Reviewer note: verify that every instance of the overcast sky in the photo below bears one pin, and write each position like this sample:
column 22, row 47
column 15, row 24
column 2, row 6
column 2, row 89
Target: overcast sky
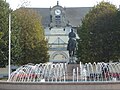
column 65, row 3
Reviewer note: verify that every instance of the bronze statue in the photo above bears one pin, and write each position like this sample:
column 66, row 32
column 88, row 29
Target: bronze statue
column 71, row 43
column 72, row 34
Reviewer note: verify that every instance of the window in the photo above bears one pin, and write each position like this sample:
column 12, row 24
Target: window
column 57, row 17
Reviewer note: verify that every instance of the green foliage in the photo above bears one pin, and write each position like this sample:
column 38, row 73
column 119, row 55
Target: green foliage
column 100, row 34
column 28, row 41
column 16, row 49
column 4, row 12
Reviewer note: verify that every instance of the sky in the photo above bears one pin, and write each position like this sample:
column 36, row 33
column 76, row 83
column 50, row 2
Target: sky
column 14, row 4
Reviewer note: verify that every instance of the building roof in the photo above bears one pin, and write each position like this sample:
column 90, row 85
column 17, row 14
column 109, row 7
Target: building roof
column 73, row 14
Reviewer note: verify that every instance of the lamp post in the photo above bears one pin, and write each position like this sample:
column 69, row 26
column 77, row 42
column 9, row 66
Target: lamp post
column 9, row 61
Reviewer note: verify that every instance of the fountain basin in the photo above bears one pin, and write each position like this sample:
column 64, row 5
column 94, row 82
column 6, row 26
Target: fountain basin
column 62, row 76
column 4, row 85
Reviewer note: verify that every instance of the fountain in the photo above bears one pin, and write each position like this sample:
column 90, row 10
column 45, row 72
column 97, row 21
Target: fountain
column 59, row 76
column 39, row 73
column 49, row 72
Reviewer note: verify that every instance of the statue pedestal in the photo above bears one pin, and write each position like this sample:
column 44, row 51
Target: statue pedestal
column 70, row 68
column 72, row 60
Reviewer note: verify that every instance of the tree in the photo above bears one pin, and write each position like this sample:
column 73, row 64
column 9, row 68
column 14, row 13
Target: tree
column 99, row 38
column 16, row 49
column 29, row 45
column 4, row 12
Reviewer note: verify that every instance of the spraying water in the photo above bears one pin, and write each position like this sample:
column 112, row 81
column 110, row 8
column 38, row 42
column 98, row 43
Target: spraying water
column 50, row 72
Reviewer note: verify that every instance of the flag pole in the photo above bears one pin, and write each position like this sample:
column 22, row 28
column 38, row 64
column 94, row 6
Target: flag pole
column 9, row 62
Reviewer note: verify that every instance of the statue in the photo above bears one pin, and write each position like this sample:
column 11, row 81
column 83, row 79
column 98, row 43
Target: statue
column 71, row 43
column 72, row 34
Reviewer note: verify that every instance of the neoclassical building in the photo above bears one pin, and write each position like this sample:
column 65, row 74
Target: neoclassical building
column 58, row 22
